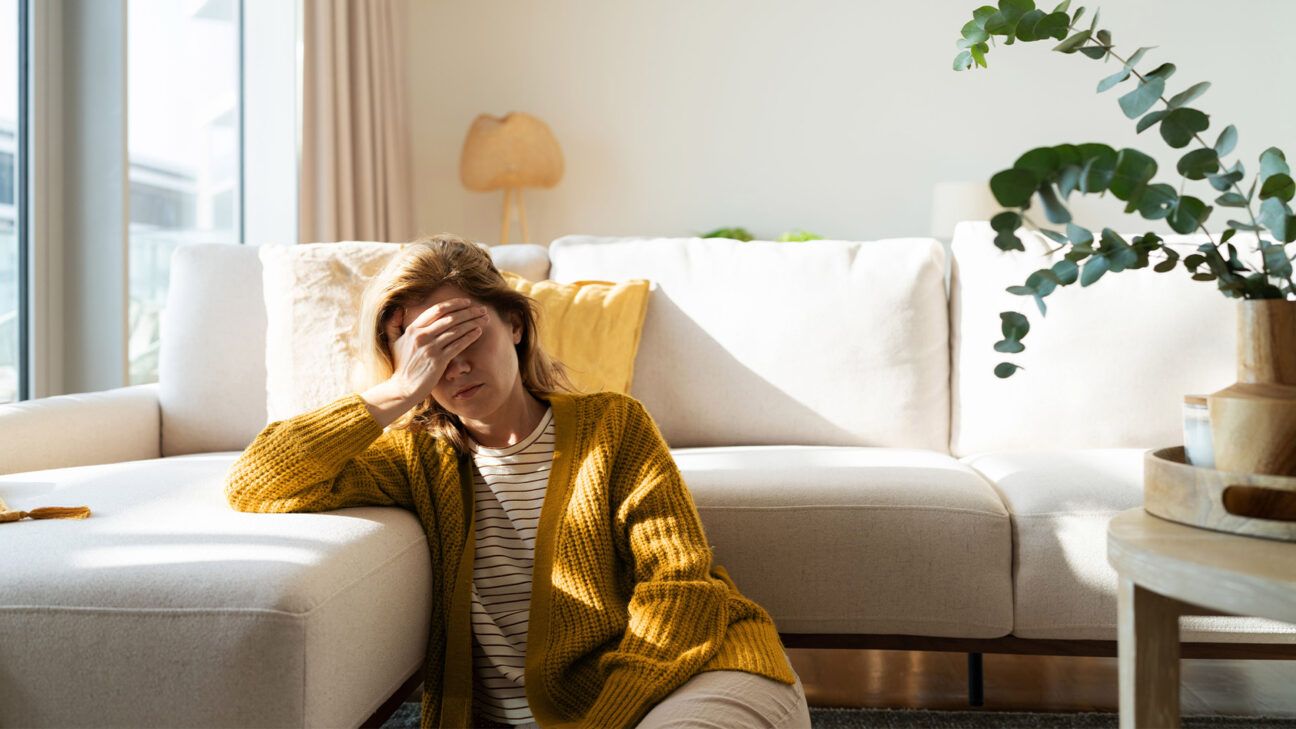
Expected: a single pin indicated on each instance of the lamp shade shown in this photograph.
(517, 150)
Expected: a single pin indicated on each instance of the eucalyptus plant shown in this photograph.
(1053, 173)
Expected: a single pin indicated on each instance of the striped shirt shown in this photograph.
(509, 487)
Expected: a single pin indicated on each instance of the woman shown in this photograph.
(470, 425)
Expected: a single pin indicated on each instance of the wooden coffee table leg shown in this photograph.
(1148, 644)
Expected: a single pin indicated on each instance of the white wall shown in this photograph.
(838, 116)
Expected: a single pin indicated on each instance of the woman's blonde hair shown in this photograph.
(421, 267)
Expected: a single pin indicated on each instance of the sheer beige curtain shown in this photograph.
(355, 171)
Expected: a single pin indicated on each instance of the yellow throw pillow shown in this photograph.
(592, 327)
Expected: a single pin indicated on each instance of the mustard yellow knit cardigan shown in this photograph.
(626, 603)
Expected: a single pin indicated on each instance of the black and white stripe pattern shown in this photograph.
(509, 488)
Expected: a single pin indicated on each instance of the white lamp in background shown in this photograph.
(955, 201)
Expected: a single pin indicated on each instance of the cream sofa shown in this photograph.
(860, 471)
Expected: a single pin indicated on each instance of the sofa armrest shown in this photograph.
(83, 429)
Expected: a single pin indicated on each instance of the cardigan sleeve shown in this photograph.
(332, 457)
(678, 610)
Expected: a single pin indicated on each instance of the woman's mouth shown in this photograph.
(469, 392)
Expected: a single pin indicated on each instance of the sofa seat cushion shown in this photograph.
(233, 619)
(1061, 502)
(857, 540)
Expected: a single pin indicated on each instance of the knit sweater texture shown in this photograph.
(627, 602)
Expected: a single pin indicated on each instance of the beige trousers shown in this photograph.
(731, 700)
(722, 700)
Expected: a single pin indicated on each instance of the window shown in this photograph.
(184, 142)
(10, 198)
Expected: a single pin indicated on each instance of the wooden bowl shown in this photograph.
(1256, 505)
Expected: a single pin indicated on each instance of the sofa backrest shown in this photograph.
(212, 358)
(821, 342)
(1107, 366)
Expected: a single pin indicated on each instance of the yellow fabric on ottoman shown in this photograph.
(592, 327)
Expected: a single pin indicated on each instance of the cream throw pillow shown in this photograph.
(312, 295)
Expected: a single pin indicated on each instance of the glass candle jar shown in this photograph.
(1198, 448)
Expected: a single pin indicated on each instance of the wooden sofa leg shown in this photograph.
(976, 684)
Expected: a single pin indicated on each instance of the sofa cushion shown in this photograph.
(857, 540)
(1107, 367)
(817, 343)
(1061, 502)
(211, 359)
(253, 619)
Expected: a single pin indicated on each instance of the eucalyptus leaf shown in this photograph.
(1133, 170)
(1054, 25)
(1198, 163)
(1027, 24)
(1272, 162)
(1079, 236)
(1150, 119)
(1094, 52)
(1278, 185)
(1157, 201)
(1066, 271)
(1013, 325)
(1142, 98)
(1043, 161)
(1113, 79)
(1188, 214)
(1187, 95)
(1098, 172)
(1054, 210)
(1093, 270)
(1227, 140)
(1125, 71)
(1163, 72)
(1013, 188)
(1068, 181)
(963, 61)
(1277, 217)
(1070, 45)
(1054, 236)
(1276, 262)
(1172, 257)
(1004, 370)
(1042, 282)
(1225, 180)
(1231, 200)
(1007, 221)
(1179, 126)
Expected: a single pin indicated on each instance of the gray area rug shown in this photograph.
(825, 718)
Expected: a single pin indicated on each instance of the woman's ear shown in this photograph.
(515, 323)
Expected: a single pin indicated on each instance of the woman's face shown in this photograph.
(490, 361)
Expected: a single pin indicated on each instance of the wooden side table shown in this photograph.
(1167, 570)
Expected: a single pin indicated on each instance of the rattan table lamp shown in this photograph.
(510, 153)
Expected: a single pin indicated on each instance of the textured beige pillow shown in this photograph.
(312, 297)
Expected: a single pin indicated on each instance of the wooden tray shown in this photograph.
(1256, 505)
